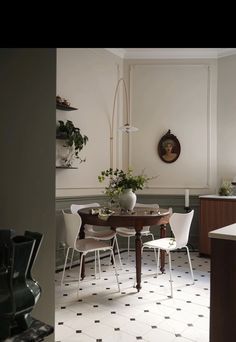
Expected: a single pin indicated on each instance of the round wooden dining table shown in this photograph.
(136, 219)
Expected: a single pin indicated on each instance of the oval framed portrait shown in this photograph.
(169, 148)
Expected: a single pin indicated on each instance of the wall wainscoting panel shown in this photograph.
(179, 97)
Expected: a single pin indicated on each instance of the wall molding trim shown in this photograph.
(169, 200)
(207, 68)
(171, 53)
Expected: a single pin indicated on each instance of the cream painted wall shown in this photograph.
(226, 118)
(87, 78)
(179, 95)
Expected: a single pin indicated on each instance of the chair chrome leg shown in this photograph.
(116, 271)
(118, 251)
(128, 245)
(158, 260)
(190, 263)
(80, 271)
(64, 268)
(171, 281)
(72, 257)
(99, 265)
(113, 244)
(95, 264)
(154, 248)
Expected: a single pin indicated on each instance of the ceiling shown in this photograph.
(169, 53)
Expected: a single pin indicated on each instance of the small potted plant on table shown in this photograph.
(122, 186)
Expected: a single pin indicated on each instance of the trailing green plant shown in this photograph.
(73, 139)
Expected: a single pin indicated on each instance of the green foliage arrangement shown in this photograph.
(120, 180)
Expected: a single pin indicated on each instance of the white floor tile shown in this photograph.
(78, 337)
(135, 328)
(159, 335)
(79, 323)
(64, 315)
(100, 313)
(172, 326)
(62, 332)
(202, 323)
(197, 335)
(119, 336)
(115, 320)
(98, 331)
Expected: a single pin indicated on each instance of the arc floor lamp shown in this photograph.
(125, 128)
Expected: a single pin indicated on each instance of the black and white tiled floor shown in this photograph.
(103, 314)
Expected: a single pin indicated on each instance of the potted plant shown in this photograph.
(226, 188)
(122, 186)
(74, 141)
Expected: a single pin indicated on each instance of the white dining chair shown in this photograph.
(83, 246)
(130, 232)
(180, 226)
(104, 235)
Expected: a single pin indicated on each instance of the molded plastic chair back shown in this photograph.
(72, 224)
(180, 225)
(75, 207)
(90, 232)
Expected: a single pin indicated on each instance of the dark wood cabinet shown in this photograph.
(223, 294)
(215, 212)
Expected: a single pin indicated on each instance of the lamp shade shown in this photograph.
(128, 129)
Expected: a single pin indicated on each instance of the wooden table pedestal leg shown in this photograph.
(138, 249)
(163, 253)
(82, 236)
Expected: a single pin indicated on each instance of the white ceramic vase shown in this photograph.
(127, 199)
(64, 154)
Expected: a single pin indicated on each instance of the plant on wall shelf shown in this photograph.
(74, 140)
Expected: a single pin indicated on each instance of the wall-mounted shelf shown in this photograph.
(66, 167)
(61, 137)
(66, 108)
(70, 134)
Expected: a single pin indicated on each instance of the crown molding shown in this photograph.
(118, 52)
(226, 52)
(172, 53)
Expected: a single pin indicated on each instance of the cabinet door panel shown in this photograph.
(214, 213)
